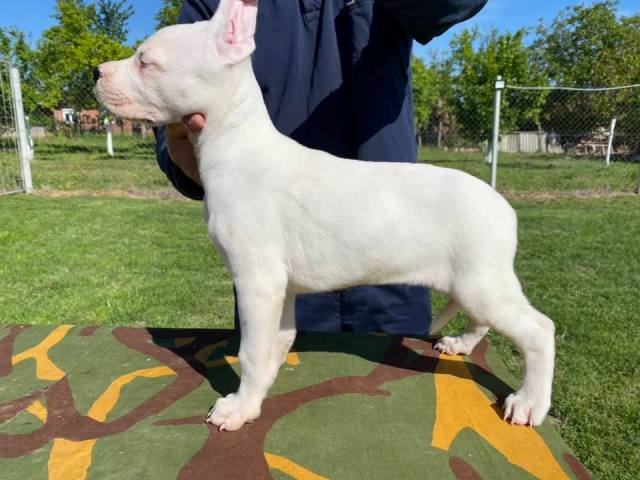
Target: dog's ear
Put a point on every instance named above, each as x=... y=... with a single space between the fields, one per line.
x=234 y=25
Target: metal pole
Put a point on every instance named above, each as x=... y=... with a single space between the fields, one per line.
x=21 y=130
x=611 y=130
x=107 y=127
x=496 y=129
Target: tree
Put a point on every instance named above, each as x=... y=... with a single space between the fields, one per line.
x=15 y=49
x=168 y=14
x=66 y=55
x=475 y=62
x=426 y=93
x=591 y=46
x=111 y=18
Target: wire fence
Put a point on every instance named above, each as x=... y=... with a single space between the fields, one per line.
x=10 y=167
x=548 y=139
x=80 y=120
x=602 y=123
x=593 y=127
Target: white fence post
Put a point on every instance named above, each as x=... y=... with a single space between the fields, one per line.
x=109 y=130
x=21 y=130
x=612 y=129
x=496 y=129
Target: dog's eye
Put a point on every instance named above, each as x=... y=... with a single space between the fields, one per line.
x=143 y=61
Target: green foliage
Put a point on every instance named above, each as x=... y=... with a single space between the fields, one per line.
x=168 y=14
x=58 y=72
x=66 y=55
x=476 y=61
x=111 y=17
x=583 y=46
x=592 y=46
x=426 y=92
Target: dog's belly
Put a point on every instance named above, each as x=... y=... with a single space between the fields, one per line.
x=319 y=262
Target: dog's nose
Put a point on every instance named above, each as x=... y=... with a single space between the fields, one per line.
x=96 y=73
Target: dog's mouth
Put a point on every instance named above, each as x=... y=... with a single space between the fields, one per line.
x=127 y=110
x=123 y=107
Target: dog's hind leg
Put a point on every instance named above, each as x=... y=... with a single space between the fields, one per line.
x=500 y=304
x=457 y=345
x=464 y=343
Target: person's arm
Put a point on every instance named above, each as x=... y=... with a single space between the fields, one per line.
x=185 y=184
x=425 y=19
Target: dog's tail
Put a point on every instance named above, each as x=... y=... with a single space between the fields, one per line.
x=447 y=313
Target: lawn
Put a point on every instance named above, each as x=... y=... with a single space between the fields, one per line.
x=82 y=164
x=124 y=261
x=541 y=173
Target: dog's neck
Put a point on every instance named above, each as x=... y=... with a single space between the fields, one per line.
x=238 y=127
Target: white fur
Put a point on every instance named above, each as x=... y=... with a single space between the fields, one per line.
x=288 y=219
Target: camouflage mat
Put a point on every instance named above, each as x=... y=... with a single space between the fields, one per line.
x=100 y=403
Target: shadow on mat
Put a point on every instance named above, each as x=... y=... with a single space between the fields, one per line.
x=196 y=347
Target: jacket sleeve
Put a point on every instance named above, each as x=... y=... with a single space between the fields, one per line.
x=425 y=19
x=192 y=11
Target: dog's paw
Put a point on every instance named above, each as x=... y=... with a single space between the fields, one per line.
x=452 y=346
x=521 y=410
x=230 y=413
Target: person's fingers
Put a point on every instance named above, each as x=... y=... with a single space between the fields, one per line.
x=177 y=131
x=190 y=123
x=194 y=122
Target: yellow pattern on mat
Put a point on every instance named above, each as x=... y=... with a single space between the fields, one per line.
x=293 y=359
x=461 y=404
x=205 y=352
x=37 y=409
x=71 y=460
x=291 y=468
x=45 y=368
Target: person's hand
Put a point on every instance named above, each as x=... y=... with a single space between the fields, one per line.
x=180 y=147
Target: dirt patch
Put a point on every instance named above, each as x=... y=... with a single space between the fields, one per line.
x=175 y=195
x=129 y=193
x=543 y=195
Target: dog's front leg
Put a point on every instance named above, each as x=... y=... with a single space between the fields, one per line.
x=260 y=305
x=286 y=333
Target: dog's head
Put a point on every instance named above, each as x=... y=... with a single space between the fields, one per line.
x=181 y=69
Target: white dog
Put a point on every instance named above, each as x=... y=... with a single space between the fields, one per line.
x=290 y=220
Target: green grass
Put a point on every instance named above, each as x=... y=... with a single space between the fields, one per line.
x=541 y=173
x=82 y=163
x=111 y=261
x=118 y=261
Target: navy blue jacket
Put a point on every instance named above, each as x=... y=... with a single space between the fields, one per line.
x=335 y=75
